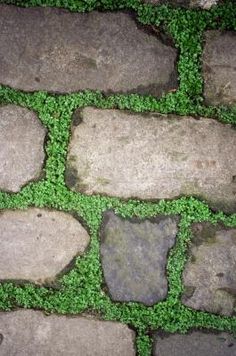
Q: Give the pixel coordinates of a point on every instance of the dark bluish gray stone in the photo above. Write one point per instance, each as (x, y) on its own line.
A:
(195, 344)
(134, 257)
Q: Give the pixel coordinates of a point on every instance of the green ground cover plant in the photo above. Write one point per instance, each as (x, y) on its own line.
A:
(81, 289)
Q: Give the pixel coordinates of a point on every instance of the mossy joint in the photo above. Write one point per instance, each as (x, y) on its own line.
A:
(83, 283)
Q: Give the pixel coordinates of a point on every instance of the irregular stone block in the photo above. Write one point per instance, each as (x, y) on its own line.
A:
(195, 344)
(59, 51)
(209, 276)
(134, 257)
(204, 4)
(21, 147)
(28, 332)
(152, 156)
(219, 69)
(36, 244)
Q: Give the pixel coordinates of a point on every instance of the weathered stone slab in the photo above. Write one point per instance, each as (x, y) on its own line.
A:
(219, 69)
(134, 257)
(59, 51)
(209, 276)
(36, 244)
(204, 4)
(195, 344)
(152, 157)
(21, 147)
(28, 332)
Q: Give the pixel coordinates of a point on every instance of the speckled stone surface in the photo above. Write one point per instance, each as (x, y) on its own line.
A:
(21, 147)
(204, 4)
(219, 69)
(68, 52)
(28, 332)
(36, 244)
(152, 156)
(134, 257)
(196, 343)
(209, 275)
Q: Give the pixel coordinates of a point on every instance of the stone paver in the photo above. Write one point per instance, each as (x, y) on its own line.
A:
(209, 276)
(195, 344)
(204, 4)
(134, 257)
(36, 244)
(219, 68)
(58, 51)
(28, 332)
(21, 147)
(152, 157)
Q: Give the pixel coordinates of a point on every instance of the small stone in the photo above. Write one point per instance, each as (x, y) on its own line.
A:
(134, 257)
(196, 343)
(67, 52)
(209, 273)
(152, 156)
(219, 70)
(204, 4)
(21, 147)
(28, 332)
(37, 244)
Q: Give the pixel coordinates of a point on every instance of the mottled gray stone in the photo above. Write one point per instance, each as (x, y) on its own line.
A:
(21, 147)
(204, 4)
(59, 51)
(195, 344)
(209, 276)
(36, 244)
(219, 68)
(152, 157)
(134, 257)
(28, 332)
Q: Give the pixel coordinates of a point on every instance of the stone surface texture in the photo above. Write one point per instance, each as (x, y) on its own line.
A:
(134, 257)
(152, 157)
(21, 147)
(195, 344)
(28, 332)
(204, 4)
(36, 244)
(58, 51)
(219, 69)
(209, 276)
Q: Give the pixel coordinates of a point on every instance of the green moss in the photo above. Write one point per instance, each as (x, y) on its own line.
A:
(81, 288)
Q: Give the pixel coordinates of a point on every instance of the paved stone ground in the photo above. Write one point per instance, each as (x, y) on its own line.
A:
(113, 155)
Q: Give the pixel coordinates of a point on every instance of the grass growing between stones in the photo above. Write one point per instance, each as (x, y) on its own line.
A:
(81, 289)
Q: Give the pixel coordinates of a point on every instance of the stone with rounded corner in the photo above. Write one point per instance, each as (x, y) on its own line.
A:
(29, 332)
(68, 52)
(21, 147)
(37, 244)
(209, 275)
(152, 156)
